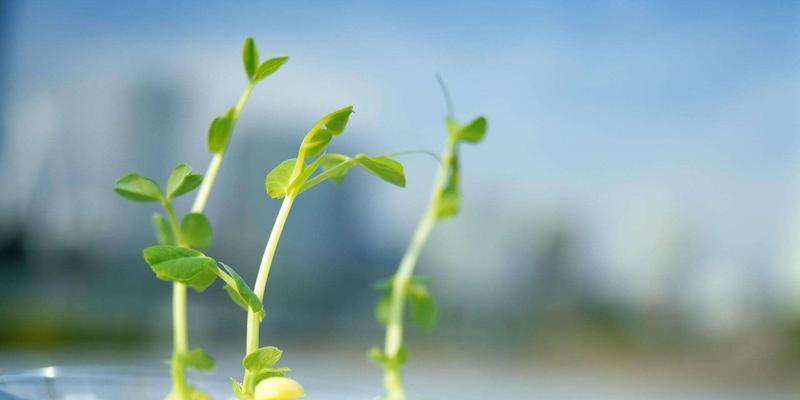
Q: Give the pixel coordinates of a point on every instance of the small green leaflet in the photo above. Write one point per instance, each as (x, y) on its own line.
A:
(182, 181)
(473, 132)
(163, 230)
(199, 360)
(265, 357)
(219, 132)
(334, 164)
(138, 188)
(337, 120)
(422, 307)
(183, 265)
(250, 57)
(385, 168)
(196, 230)
(269, 67)
(239, 291)
(317, 143)
(277, 181)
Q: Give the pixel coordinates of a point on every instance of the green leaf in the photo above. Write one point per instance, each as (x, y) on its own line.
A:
(473, 132)
(422, 307)
(337, 120)
(182, 181)
(377, 355)
(219, 132)
(196, 230)
(333, 160)
(385, 168)
(449, 198)
(402, 355)
(199, 360)
(382, 308)
(138, 188)
(265, 373)
(269, 67)
(301, 178)
(277, 181)
(241, 293)
(163, 230)
(183, 265)
(265, 357)
(317, 143)
(250, 57)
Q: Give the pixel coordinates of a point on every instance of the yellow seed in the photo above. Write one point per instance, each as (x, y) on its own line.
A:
(278, 388)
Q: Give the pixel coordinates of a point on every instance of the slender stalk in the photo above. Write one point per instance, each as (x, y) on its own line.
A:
(253, 321)
(394, 325)
(180, 335)
(179, 324)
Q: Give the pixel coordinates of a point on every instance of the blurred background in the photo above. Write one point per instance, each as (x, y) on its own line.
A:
(630, 226)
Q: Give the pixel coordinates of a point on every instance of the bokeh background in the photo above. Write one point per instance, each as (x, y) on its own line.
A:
(630, 226)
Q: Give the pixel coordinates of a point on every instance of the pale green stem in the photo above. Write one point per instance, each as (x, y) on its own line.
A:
(400, 283)
(179, 324)
(253, 321)
(180, 336)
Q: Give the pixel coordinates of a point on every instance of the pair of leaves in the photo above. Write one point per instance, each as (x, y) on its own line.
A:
(422, 307)
(195, 269)
(239, 292)
(261, 365)
(320, 135)
(195, 231)
(449, 199)
(279, 182)
(135, 187)
(254, 69)
(183, 265)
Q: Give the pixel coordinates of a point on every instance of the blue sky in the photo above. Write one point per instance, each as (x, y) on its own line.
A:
(614, 111)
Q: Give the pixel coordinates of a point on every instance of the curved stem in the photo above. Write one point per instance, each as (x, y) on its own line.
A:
(394, 325)
(253, 321)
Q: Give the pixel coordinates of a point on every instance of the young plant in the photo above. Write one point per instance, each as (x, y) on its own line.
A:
(262, 380)
(405, 288)
(177, 259)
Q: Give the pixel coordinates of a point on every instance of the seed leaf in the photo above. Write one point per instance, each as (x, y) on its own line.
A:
(196, 230)
(473, 132)
(219, 132)
(240, 292)
(163, 230)
(277, 181)
(250, 57)
(138, 188)
(199, 360)
(385, 168)
(180, 264)
(265, 357)
(269, 67)
(422, 307)
(182, 181)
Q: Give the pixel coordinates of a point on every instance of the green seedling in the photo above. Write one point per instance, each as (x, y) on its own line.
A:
(403, 287)
(177, 258)
(312, 166)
